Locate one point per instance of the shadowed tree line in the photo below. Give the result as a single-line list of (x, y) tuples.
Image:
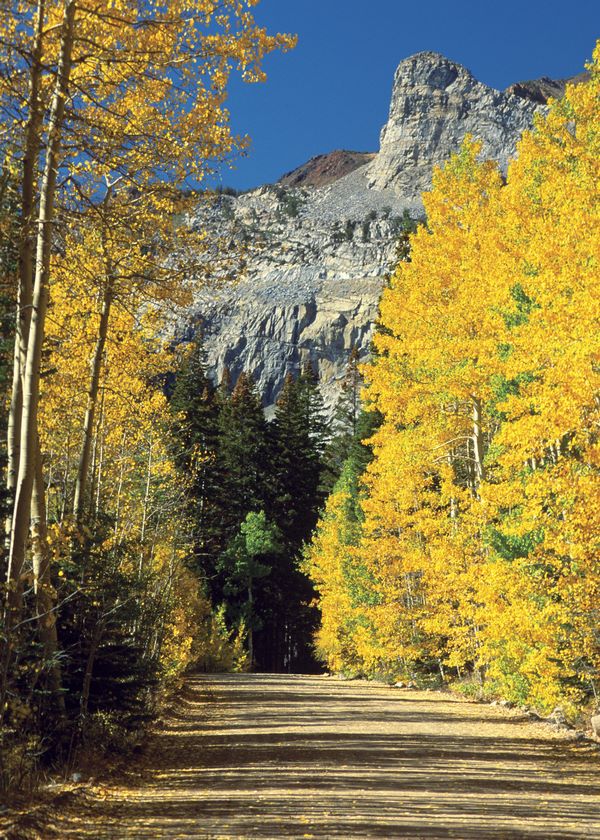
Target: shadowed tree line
[(255, 489)]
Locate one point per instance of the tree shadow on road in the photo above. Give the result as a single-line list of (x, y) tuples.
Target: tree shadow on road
[(278, 757)]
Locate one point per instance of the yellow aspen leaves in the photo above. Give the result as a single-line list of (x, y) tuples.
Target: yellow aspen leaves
[(480, 529)]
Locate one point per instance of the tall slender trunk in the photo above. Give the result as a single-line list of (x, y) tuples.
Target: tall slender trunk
[(44, 591), (27, 458), (26, 246), (98, 489), (97, 457), (118, 539), (92, 401), (143, 550), (453, 505), (63, 503), (89, 668), (478, 448), (146, 494)]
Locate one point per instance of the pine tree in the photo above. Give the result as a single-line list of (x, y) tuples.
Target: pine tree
[(195, 406), (299, 439), (247, 560), (242, 462), (317, 425), (243, 448)]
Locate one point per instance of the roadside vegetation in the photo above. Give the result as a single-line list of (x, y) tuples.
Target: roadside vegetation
[(462, 545), (111, 115)]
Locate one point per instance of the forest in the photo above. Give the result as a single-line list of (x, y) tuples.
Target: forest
[(113, 115), (443, 526)]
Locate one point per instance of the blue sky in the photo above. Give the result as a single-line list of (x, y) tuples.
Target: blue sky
[(333, 90)]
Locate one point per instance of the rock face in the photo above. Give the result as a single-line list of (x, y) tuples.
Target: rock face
[(308, 289), (313, 250), (435, 103)]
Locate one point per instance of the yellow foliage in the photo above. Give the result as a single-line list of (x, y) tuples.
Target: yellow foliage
[(481, 526)]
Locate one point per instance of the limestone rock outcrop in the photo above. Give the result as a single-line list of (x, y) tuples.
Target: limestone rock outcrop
[(308, 289), (312, 260), (435, 103)]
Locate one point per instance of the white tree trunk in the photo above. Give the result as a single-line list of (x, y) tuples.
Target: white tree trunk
[(26, 248), (478, 447), (29, 429), (83, 467)]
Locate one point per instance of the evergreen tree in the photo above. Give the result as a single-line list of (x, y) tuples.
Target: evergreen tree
[(195, 407), (317, 425), (224, 389), (243, 453), (247, 560), (360, 453), (239, 468), (299, 439), (242, 458)]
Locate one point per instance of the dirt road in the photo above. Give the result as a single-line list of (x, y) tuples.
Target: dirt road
[(283, 756)]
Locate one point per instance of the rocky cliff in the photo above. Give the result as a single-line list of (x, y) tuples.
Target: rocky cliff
[(314, 250), (435, 102), (309, 280)]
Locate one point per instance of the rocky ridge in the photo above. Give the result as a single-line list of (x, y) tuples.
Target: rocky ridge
[(324, 169), (313, 251), (541, 90), (308, 286)]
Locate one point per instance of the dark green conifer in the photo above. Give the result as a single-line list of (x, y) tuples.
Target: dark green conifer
[(247, 560), (195, 409), (299, 439), (244, 459), (243, 453)]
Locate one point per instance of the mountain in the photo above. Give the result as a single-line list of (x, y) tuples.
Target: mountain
[(311, 253)]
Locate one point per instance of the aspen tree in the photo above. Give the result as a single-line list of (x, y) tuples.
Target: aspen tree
[(26, 250), (130, 94), (116, 102), (481, 524), (28, 438)]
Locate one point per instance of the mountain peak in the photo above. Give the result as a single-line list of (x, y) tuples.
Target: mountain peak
[(431, 69), (314, 261), (428, 57), (435, 103), (325, 169)]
